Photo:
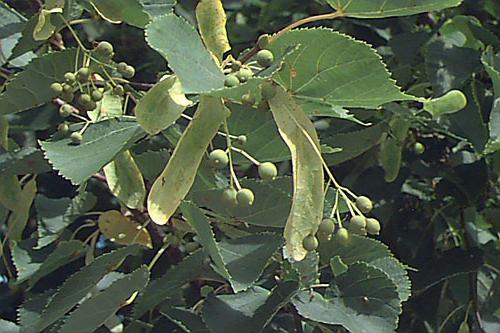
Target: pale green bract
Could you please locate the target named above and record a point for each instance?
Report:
(307, 206)
(162, 105)
(387, 8)
(178, 176)
(333, 69)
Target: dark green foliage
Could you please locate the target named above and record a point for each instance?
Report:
(216, 186)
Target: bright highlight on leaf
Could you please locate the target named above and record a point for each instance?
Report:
(307, 206)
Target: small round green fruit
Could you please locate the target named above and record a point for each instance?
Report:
(268, 90)
(218, 159)
(84, 100)
(118, 90)
(364, 204)
(372, 226)
(229, 197)
(76, 137)
(104, 49)
(327, 226)
(419, 148)
(244, 74)
(56, 88)
(263, 41)
(245, 197)
(69, 78)
(121, 67)
(231, 81)
(65, 110)
(358, 222)
(63, 128)
(241, 140)
(265, 58)
(310, 243)
(129, 72)
(96, 96)
(83, 75)
(342, 236)
(267, 171)
(236, 65)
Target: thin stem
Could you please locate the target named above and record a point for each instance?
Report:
(234, 178)
(73, 32)
(83, 226)
(246, 155)
(158, 255)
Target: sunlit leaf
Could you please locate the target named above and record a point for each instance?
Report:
(212, 25)
(121, 230)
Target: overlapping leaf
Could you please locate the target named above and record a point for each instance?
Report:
(333, 68)
(363, 299)
(101, 142)
(85, 319)
(249, 311)
(211, 20)
(78, 285)
(31, 87)
(121, 230)
(387, 8)
(117, 11)
(180, 44)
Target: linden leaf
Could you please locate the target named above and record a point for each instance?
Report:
(121, 230)
(386, 8)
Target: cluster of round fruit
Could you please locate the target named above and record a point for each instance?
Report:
(243, 197)
(358, 224)
(241, 73)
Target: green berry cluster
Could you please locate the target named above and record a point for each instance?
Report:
(83, 89)
(361, 225)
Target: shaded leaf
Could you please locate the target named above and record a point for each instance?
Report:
(101, 142)
(33, 264)
(211, 20)
(308, 193)
(85, 319)
(79, 284)
(176, 40)
(362, 300)
(54, 215)
(158, 7)
(190, 268)
(23, 161)
(248, 311)
(44, 28)
(125, 180)
(8, 327)
(206, 237)
(121, 230)
(246, 257)
(189, 321)
(387, 8)
(162, 105)
(31, 87)
(355, 143)
(178, 176)
(372, 252)
(21, 213)
(346, 73)
(491, 63)
(270, 208)
(391, 149)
